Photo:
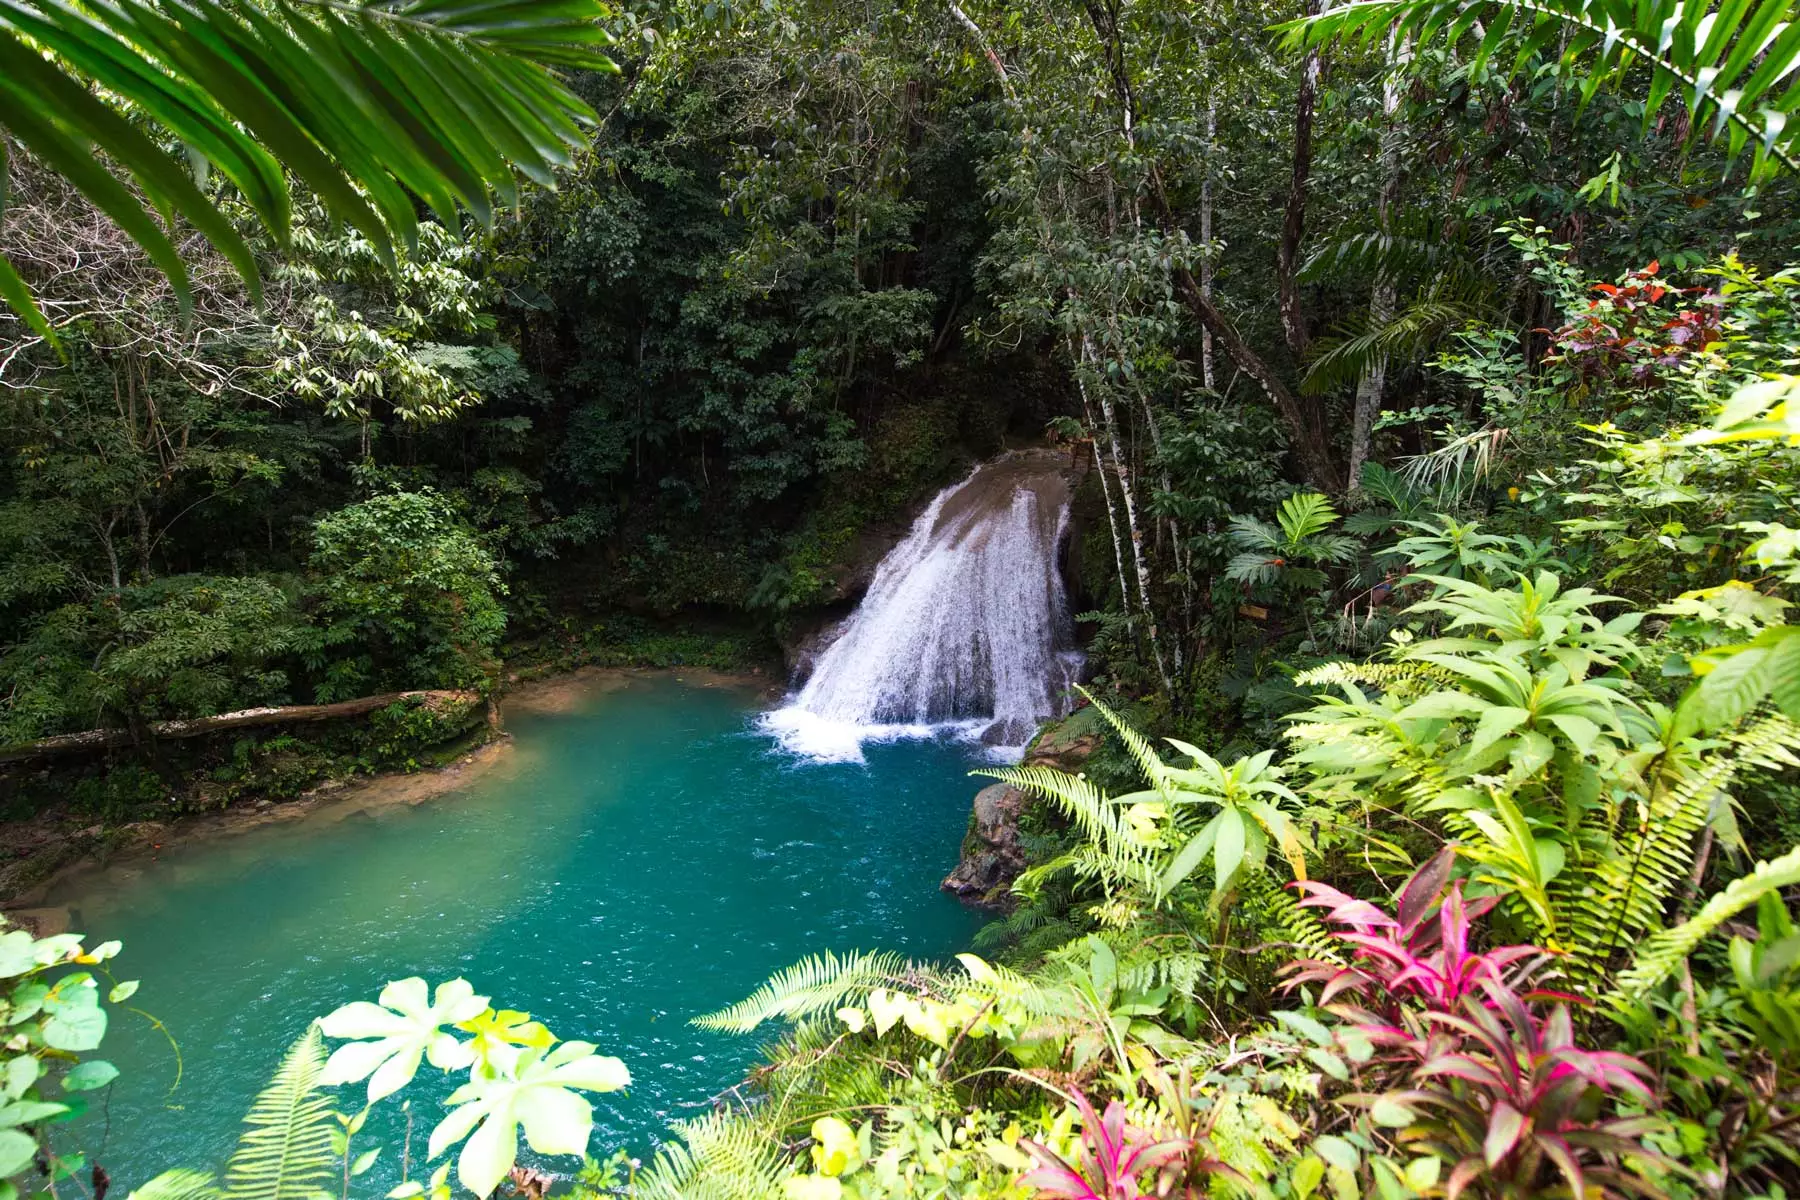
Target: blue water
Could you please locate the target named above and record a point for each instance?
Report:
(628, 864)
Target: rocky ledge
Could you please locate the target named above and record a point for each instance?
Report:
(992, 854)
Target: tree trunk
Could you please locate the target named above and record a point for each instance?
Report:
(1112, 520)
(1382, 297)
(1131, 522)
(106, 739)
(1306, 425)
(1207, 375)
(1293, 224)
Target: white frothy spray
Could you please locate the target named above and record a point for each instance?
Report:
(965, 629)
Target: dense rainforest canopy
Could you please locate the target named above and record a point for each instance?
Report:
(1431, 363)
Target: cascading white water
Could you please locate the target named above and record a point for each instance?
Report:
(966, 626)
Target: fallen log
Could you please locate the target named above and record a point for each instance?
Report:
(106, 739)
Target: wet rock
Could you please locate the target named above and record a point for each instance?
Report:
(1068, 744)
(991, 854)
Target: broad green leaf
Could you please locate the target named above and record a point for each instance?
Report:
(95, 1073)
(16, 1151)
(407, 1026)
(490, 1112)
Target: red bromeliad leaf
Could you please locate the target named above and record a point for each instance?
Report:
(1425, 886)
(1055, 1178)
(1505, 1125)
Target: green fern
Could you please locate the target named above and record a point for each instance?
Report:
(721, 1156)
(1301, 926)
(286, 1152)
(1663, 952)
(1109, 846)
(179, 1184)
(809, 987)
(1621, 895)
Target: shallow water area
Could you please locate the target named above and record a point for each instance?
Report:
(641, 854)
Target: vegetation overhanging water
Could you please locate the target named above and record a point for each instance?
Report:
(631, 863)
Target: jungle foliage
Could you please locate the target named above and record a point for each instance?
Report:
(1431, 365)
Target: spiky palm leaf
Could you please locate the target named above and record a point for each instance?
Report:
(811, 986)
(1456, 467)
(1405, 337)
(1663, 952)
(371, 106)
(1731, 61)
(286, 1152)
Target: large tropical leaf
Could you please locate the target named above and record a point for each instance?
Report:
(373, 107)
(1732, 61)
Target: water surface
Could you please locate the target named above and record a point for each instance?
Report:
(640, 859)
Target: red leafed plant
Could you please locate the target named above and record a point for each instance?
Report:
(1420, 953)
(1628, 333)
(1115, 1155)
(1479, 1076)
(1503, 1096)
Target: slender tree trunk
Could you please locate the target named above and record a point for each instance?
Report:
(1131, 522)
(1207, 376)
(139, 731)
(1382, 296)
(1293, 224)
(1306, 425)
(1112, 520)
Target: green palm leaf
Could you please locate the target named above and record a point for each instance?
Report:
(370, 106)
(286, 1152)
(1732, 61)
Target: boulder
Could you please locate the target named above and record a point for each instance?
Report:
(991, 854)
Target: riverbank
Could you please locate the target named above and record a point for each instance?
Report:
(49, 852)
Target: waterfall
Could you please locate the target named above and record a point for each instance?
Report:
(965, 628)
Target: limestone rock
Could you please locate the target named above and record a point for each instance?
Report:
(991, 855)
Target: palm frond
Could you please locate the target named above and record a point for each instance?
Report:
(1458, 466)
(286, 1152)
(1731, 62)
(371, 106)
(811, 986)
(1663, 952)
(1403, 338)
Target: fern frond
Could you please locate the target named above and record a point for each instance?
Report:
(721, 1156)
(1388, 676)
(1301, 926)
(811, 986)
(286, 1153)
(1145, 755)
(1664, 951)
(1099, 819)
(1621, 896)
(179, 1184)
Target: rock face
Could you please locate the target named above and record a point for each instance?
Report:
(992, 856)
